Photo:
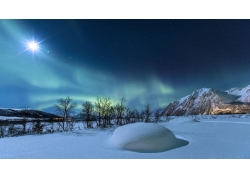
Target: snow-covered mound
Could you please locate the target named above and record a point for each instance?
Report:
(145, 137)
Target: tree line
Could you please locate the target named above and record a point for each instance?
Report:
(103, 113)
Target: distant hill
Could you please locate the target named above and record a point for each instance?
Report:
(8, 113)
(211, 101)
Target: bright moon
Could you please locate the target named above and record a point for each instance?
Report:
(33, 46)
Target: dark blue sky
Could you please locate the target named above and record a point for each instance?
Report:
(145, 61)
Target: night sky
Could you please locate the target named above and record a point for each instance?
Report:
(145, 61)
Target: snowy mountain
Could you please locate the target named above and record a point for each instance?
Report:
(244, 93)
(211, 101)
(28, 113)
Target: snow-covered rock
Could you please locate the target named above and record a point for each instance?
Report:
(145, 137)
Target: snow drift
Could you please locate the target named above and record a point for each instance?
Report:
(145, 137)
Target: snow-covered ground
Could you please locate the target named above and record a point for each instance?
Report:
(208, 137)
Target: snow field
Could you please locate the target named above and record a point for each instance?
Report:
(210, 137)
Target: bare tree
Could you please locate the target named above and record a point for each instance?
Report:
(106, 110)
(51, 128)
(38, 126)
(24, 119)
(142, 116)
(110, 114)
(88, 110)
(137, 115)
(11, 129)
(119, 111)
(71, 125)
(65, 108)
(131, 115)
(157, 115)
(3, 128)
(127, 116)
(147, 113)
(98, 106)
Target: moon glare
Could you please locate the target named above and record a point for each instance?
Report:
(33, 46)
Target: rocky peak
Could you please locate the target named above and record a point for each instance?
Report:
(211, 101)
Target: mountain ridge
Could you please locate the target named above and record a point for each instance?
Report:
(211, 101)
(27, 113)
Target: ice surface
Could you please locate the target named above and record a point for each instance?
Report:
(145, 137)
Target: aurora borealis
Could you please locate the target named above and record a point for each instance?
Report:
(145, 61)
